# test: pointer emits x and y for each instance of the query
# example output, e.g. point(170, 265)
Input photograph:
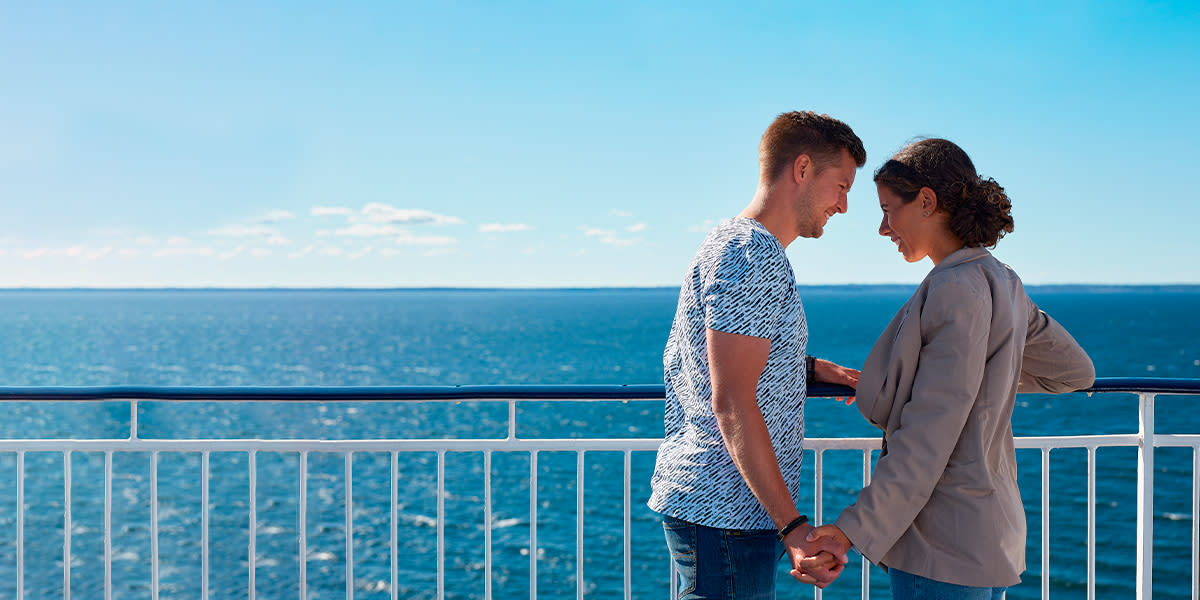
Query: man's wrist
point(796, 523)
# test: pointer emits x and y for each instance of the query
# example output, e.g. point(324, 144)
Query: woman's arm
point(955, 320)
point(1053, 362)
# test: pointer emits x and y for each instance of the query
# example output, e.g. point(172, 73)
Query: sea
point(340, 337)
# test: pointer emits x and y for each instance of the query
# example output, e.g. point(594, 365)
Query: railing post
point(1145, 499)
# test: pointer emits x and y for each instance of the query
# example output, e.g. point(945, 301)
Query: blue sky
point(527, 144)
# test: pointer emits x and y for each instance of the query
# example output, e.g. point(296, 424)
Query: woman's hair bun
point(980, 211)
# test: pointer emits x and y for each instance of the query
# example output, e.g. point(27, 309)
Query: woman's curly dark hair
point(980, 211)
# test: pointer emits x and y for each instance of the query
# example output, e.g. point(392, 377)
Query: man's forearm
point(749, 444)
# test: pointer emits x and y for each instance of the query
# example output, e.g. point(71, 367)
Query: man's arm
point(829, 372)
point(735, 364)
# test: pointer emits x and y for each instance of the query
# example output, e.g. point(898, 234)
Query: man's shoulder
point(740, 239)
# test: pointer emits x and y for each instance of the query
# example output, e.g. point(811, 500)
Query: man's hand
point(827, 372)
point(817, 562)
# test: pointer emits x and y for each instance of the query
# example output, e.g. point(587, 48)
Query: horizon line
point(521, 288)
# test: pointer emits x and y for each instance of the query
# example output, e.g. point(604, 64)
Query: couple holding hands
point(942, 513)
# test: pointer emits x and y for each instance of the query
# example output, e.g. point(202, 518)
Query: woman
point(942, 512)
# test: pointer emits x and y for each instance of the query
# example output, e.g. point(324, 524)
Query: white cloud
point(126, 234)
point(360, 253)
point(331, 251)
point(74, 251)
point(331, 211)
point(636, 227)
point(377, 212)
point(425, 240)
point(272, 234)
point(129, 252)
point(704, 226)
point(620, 213)
point(596, 232)
point(301, 253)
point(80, 252)
point(609, 237)
point(437, 251)
point(240, 250)
point(369, 230)
point(621, 242)
point(389, 252)
point(275, 216)
point(177, 240)
point(243, 231)
point(504, 227)
point(232, 253)
point(179, 250)
point(98, 253)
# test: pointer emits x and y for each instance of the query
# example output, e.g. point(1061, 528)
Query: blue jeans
point(722, 563)
point(906, 586)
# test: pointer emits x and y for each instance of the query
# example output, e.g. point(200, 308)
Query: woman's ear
point(929, 202)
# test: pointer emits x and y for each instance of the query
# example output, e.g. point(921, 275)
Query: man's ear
point(802, 168)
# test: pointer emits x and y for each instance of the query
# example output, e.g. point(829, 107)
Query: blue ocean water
point(446, 337)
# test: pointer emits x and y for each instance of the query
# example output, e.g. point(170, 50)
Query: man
point(728, 472)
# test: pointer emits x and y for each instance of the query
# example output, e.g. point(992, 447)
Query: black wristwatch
point(810, 368)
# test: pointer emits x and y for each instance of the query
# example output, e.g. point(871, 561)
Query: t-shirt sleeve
point(745, 294)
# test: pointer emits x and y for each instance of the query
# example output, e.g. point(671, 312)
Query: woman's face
point(903, 224)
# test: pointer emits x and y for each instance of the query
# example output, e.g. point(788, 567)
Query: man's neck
point(772, 213)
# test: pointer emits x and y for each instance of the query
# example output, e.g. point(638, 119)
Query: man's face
point(825, 195)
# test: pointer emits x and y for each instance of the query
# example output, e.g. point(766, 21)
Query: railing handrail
point(1161, 385)
point(1145, 440)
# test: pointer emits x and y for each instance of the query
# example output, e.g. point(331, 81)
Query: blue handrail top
point(463, 392)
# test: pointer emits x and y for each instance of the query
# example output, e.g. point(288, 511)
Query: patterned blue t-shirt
point(740, 281)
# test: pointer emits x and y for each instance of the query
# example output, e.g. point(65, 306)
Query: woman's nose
point(884, 229)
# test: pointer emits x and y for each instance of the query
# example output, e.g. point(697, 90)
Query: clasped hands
point(817, 554)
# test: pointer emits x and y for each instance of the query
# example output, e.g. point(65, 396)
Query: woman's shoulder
point(964, 280)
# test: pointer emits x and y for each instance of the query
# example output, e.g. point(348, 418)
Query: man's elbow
point(723, 405)
point(732, 405)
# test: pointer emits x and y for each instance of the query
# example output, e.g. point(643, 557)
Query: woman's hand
point(833, 533)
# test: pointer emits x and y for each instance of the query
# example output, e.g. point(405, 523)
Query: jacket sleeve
point(954, 328)
point(1053, 361)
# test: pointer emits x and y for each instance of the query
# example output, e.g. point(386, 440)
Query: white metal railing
point(1145, 440)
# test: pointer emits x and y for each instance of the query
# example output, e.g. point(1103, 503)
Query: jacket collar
point(960, 256)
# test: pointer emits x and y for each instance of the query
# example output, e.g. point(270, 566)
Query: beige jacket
point(940, 382)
